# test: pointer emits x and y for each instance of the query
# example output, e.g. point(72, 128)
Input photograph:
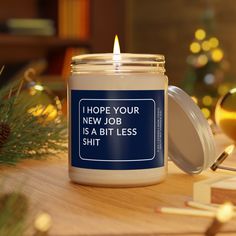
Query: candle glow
point(116, 50)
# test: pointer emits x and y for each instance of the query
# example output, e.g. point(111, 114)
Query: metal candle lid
point(190, 139)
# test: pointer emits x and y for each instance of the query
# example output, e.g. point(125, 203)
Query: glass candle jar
point(117, 119)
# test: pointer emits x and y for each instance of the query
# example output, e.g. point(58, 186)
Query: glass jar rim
point(108, 58)
point(118, 63)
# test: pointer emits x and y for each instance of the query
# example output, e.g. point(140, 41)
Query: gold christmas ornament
point(225, 114)
point(46, 103)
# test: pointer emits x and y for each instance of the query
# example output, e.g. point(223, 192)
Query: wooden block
point(216, 190)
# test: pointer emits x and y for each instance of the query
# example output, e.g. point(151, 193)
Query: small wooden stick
point(226, 168)
point(185, 211)
point(201, 206)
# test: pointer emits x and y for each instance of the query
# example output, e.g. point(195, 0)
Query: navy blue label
point(117, 130)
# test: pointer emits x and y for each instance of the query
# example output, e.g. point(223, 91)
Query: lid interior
point(191, 143)
point(185, 147)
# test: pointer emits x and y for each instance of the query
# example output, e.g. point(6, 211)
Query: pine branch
point(30, 136)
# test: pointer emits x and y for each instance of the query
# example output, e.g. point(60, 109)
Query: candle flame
point(116, 49)
point(229, 149)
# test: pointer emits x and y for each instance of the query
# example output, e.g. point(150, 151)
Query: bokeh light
point(206, 112)
point(39, 87)
point(200, 34)
point(223, 89)
point(209, 78)
point(207, 100)
point(202, 60)
point(206, 46)
point(195, 47)
point(195, 99)
point(214, 42)
point(217, 55)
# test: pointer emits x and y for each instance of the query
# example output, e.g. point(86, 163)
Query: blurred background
point(197, 37)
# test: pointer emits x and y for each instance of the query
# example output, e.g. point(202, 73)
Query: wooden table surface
point(83, 210)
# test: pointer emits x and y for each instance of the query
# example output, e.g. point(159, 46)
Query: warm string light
point(195, 47)
point(206, 46)
point(214, 42)
point(207, 58)
point(207, 100)
point(206, 112)
point(200, 34)
point(217, 55)
point(202, 60)
point(205, 49)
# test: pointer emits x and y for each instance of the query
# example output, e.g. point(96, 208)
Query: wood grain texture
point(82, 210)
point(220, 196)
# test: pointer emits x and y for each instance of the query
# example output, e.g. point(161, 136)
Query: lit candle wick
point(116, 53)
